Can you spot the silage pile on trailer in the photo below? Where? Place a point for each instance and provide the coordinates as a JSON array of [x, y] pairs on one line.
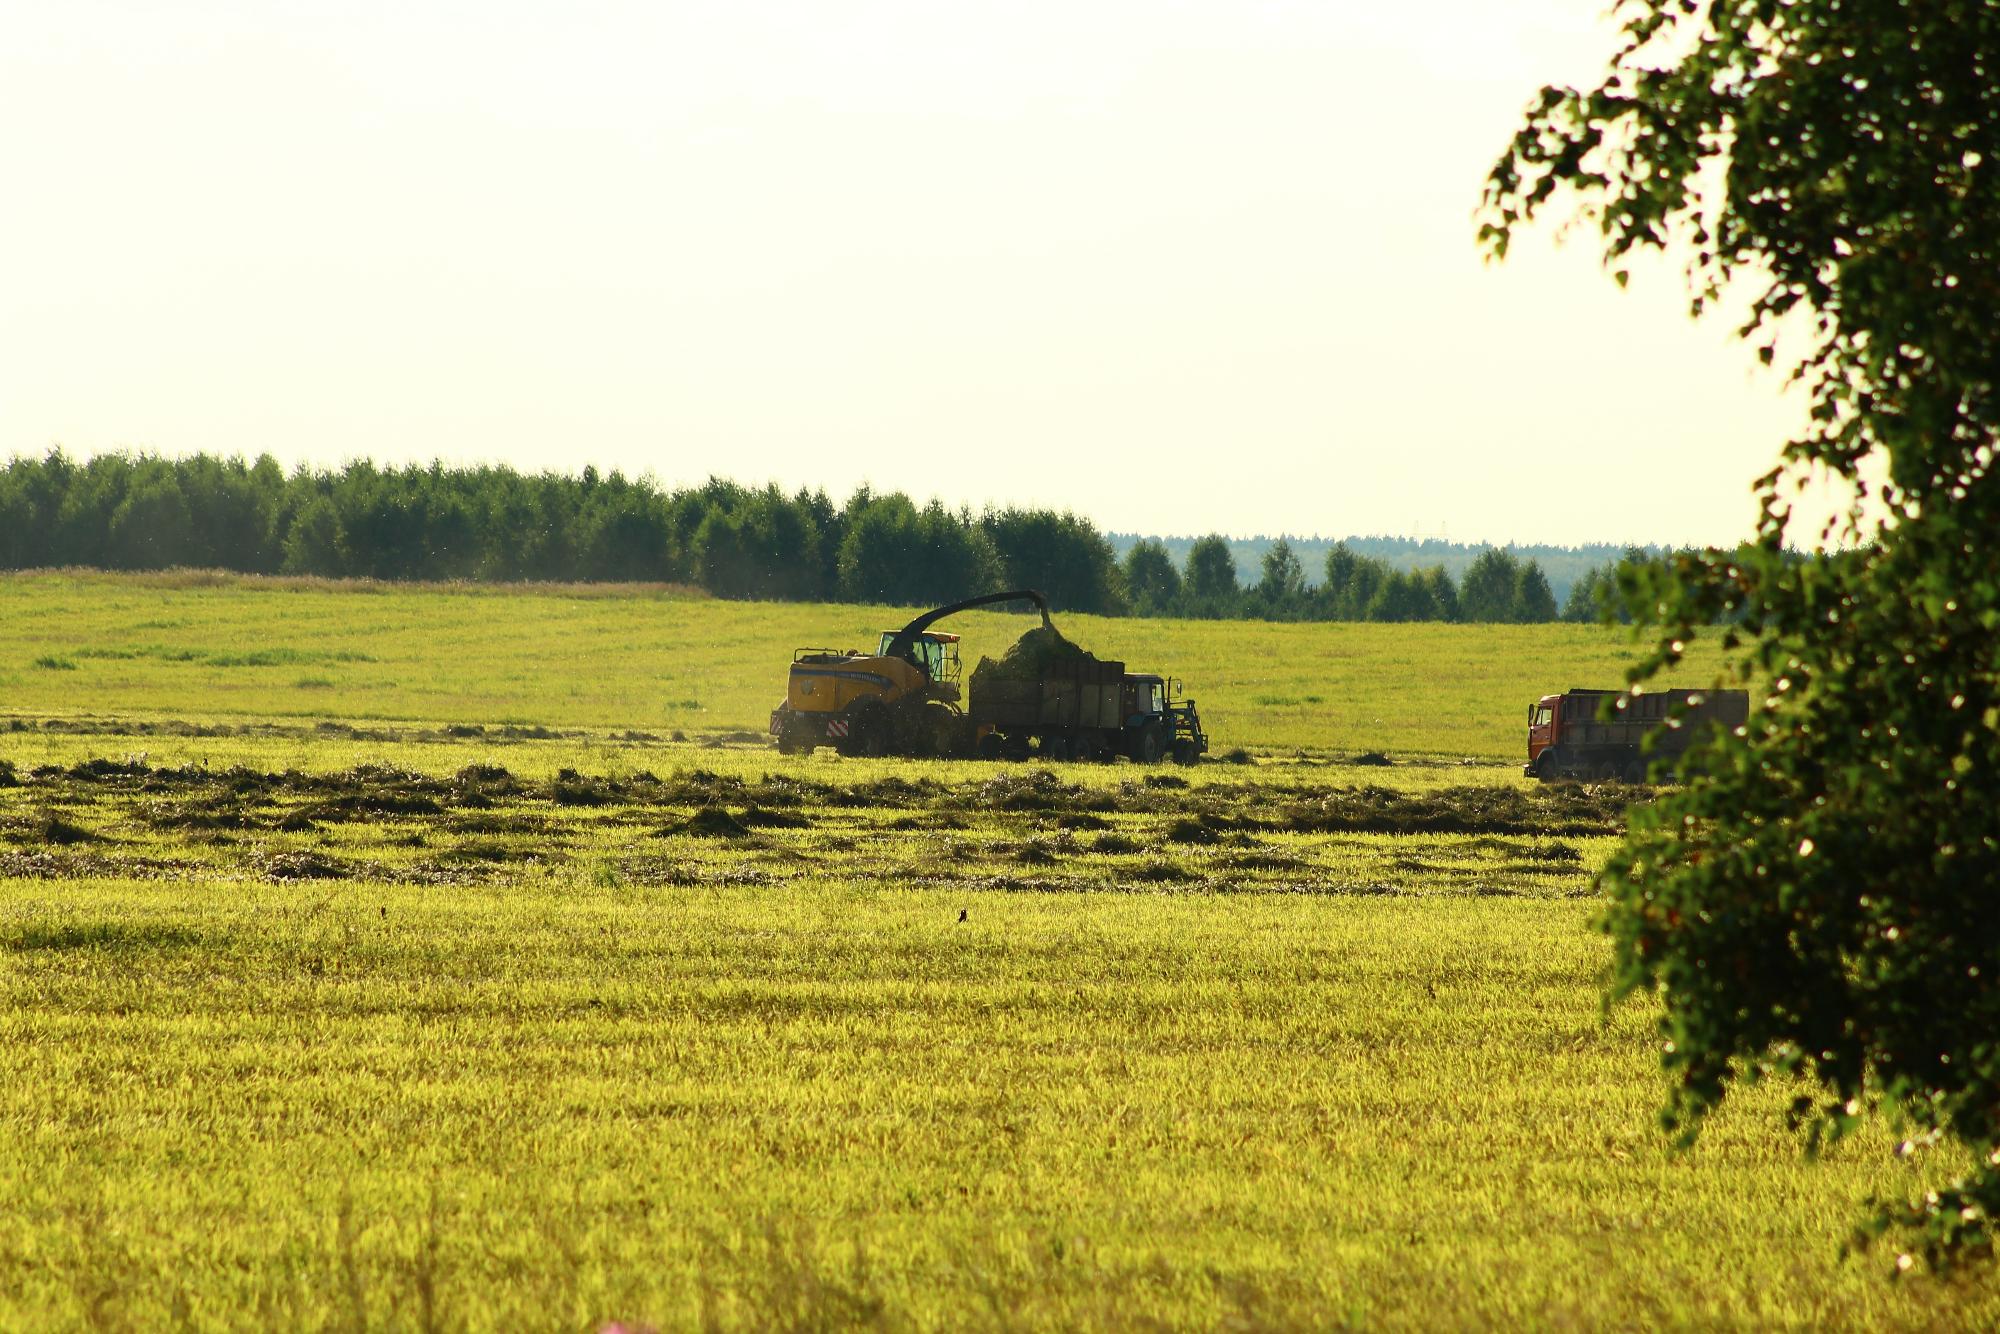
[[1039, 653]]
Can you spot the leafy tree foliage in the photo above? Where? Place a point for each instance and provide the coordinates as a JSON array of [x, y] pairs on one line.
[[1210, 582], [1818, 902], [1534, 600], [1487, 591], [1061, 554], [1152, 582], [1281, 591]]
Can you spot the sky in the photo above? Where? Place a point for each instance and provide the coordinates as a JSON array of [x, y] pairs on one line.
[[1176, 267]]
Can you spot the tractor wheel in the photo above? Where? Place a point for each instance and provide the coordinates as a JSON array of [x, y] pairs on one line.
[[1185, 753], [1146, 749]]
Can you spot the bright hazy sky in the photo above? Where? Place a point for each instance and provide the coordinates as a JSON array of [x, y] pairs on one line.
[[1178, 267]]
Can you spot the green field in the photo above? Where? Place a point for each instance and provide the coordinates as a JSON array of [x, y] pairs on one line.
[[166, 647], [344, 1006]]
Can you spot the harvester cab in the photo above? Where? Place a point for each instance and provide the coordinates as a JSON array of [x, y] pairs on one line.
[[936, 656], [901, 699]]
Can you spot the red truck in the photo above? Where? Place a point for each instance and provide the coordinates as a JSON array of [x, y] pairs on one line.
[[1567, 737]]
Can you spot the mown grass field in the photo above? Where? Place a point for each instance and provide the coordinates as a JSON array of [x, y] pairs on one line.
[[400, 1024]]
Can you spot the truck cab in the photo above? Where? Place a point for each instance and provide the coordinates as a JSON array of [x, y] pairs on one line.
[[1542, 716]]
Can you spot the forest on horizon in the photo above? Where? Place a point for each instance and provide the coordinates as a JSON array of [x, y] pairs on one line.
[[124, 511]]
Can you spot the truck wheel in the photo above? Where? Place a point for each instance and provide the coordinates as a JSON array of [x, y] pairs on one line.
[[1545, 768]]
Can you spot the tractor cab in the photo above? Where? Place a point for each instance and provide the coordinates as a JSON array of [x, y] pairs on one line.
[[935, 651], [1153, 707]]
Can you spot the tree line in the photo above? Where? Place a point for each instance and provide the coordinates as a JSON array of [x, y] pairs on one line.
[[143, 512]]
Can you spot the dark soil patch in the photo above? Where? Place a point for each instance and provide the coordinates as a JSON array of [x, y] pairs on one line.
[[306, 865], [1459, 810], [581, 794], [358, 806], [1264, 859], [933, 824], [1039, 790], [764, 817], [486, 851], [1374, 759], [1191, 830], [708, 822], [1160, 871], [1113, 844], [1073, 820], [199, 815], [53, 829], [498, 824], [105, 937], [491, 779]]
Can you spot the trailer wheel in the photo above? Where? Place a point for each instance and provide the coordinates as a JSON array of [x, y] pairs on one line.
[[990, 746], [1635, 771]]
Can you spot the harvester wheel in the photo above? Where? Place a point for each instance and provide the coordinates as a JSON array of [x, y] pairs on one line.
[[941, 730], [867, 730]]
